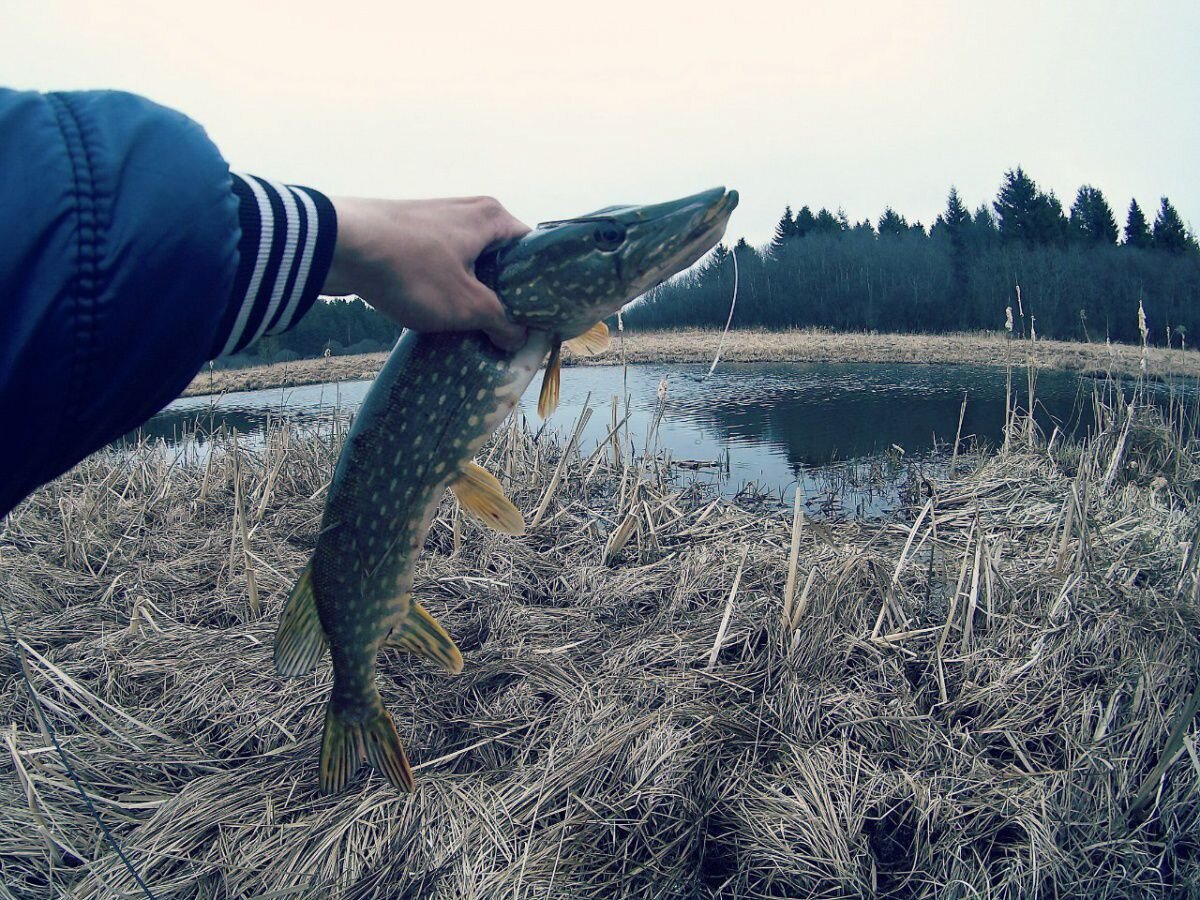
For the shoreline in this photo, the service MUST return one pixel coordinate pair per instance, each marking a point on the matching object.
(805, 345)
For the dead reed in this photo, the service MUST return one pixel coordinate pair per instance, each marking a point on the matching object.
(666, 694)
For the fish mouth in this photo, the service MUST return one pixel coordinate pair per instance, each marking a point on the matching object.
(702, 217)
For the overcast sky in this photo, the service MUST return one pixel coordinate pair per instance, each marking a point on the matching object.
(561, 107)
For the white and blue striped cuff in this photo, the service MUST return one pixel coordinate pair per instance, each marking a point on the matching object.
(286, 247)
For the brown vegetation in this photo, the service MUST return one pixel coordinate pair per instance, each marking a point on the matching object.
(808, 345)
(665, 695)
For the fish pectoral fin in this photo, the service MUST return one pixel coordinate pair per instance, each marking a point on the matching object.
(422, 635)
(300, 640)
(548, 398)
(592, 342)
(345, 744)
(480, 493)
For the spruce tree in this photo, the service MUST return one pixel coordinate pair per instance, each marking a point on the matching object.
(1169, 231)
(956, 218)
(892, 224)
(984, 222)
(805, 221)
(826, 222)
(1137, 232)
(1049, 224)
(1017, 207)
(1092, 218)
(785, 228)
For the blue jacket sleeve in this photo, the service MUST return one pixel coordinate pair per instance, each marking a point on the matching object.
(129, 258)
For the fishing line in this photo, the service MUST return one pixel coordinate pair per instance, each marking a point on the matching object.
(49, 729)
(729, 321)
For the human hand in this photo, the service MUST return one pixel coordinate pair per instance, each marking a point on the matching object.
(414, 261)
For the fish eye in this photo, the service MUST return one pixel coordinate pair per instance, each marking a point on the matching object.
(609, 236)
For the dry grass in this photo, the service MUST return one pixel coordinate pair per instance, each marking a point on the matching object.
(808, 345)
(963, 702)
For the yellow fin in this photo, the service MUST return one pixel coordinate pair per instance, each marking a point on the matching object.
(422, 635)
(346, 743)
(548, 398)
(593, 341)
(480, 493)
(300, 640)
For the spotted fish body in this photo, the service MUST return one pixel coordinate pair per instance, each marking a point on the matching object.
(436, 401)
(434, 404)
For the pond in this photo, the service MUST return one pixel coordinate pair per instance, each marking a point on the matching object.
(840, 430)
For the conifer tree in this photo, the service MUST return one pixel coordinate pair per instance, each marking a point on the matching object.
(785, 228)
(956, 218)
(1049, 224)
(1092, 217)
(805, 221)
(826, 222)
(892, 224)
(1170, 234)
(1137, 232)
(983, 222)
(1017, 206)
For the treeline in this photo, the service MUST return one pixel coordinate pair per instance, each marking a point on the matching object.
(1079, 276)
(342, 325)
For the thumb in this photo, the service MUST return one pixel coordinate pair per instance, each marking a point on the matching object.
(492, 319)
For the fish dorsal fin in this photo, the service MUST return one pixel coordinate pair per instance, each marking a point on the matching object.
(593, 341)
(300, 640)
(548, 398)
(422, 635)
(480, 493)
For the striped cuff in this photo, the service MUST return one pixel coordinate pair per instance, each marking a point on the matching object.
(284, 254)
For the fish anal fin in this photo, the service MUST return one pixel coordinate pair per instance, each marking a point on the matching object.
(592, 342)
(480, 493)
(422, 635)
(300, 640)
(548, 398)
(345, 744)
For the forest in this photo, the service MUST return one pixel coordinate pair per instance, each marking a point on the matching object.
(1022, 262)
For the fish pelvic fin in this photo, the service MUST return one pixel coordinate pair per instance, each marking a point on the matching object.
(480, 493)
(592, 342)
(345, 744)
(548, 398)
(422, 635)
(300, 640)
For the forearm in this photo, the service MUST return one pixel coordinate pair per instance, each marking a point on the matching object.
(131, 256)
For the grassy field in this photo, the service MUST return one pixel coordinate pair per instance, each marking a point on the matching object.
(665, 694)
(696, 346)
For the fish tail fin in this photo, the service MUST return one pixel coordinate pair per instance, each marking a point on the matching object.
(346, 744)
(300, 640)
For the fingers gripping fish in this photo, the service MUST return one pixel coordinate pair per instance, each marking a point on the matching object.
(432, 407)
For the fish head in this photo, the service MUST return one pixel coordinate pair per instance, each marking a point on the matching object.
(565, 276)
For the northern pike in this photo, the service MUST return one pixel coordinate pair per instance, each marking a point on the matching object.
(436, 401)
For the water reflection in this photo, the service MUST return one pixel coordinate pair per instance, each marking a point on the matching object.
(769, 423)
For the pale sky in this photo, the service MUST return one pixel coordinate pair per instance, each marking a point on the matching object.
(559, 108)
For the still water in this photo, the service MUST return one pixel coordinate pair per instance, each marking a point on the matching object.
(770, 425)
